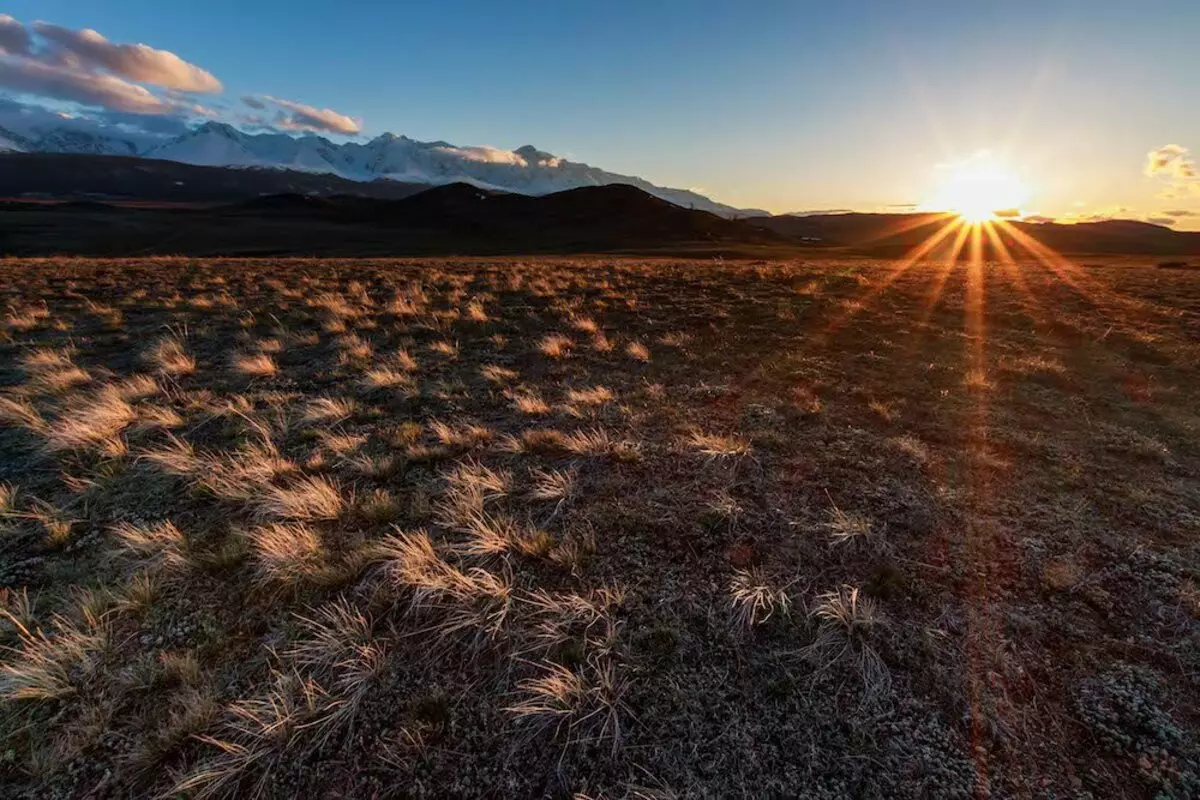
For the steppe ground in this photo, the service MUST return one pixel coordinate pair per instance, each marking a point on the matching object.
(599, 528)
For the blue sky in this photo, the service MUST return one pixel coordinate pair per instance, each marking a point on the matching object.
(782, 105)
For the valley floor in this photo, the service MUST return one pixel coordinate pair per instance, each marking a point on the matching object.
(599, 528)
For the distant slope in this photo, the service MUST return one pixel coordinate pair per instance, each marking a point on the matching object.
(53, 175)
(894, 234)
(450, 219)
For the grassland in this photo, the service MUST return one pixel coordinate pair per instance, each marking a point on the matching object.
(599, 528)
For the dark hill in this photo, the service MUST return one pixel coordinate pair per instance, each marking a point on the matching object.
(895, 234)
(456, 218)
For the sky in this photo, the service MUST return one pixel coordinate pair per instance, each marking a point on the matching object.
(1093, 106)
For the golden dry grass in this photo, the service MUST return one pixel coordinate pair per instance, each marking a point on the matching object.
(629, 528)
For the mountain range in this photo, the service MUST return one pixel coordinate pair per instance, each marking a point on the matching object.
(525, 170)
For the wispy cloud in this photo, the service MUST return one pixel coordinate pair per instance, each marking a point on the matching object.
(294, 116)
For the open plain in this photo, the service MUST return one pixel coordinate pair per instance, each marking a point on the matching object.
(599, 527)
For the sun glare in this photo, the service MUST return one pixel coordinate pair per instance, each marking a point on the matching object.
(980, 189)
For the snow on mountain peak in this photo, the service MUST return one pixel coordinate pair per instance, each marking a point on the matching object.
(526, 170)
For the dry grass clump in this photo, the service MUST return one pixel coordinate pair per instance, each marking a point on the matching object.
(846, 611)
(379, 507)
(59, 380)
(845, 621)
(157, 417)
(27, 318)
(754, 600)
(8, 499)
(595, 396)
(489, 534)
(599, 442)
(255, 365)
(912, 446)
(476, 312)
(139, 387)
(472, 602)
(585, 325)
(882, 410)
(312, 497)
(170, 357)
(408, 304)
(497, 374)
(329, 410)
(287, 554)
(847, 528)
(16, 412)
(354, 349)
(574, 551)
(555, 345)
(253, 739)
(530, 402)
(445, 348)
(387, 378)
(637, 351)
(162, 544)
(51, 665)
(95, 421)
(714, 445)
(339, 649)
(471, 485)
(463, 435)
(575, 706)
(404, 360)
(551, 484)
(52, 371)
(177, 457)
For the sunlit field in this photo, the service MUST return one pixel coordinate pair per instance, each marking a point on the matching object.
(600, 528)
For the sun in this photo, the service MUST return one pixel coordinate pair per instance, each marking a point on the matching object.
(979, 189)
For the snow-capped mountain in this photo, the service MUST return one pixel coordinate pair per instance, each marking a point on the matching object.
(12, 142)
(75, 141)
(526, 170)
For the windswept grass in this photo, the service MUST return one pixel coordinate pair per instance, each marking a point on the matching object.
(712, 526)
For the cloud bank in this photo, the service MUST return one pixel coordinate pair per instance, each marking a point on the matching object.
(148, 88)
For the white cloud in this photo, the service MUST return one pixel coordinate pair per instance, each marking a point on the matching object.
(89, 50)
(485, 155)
